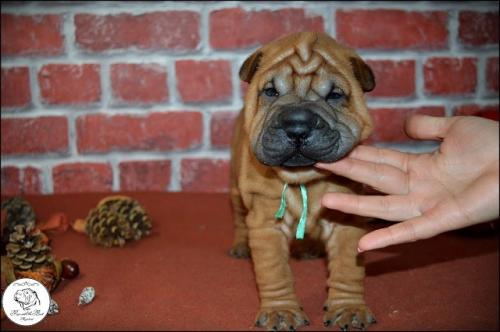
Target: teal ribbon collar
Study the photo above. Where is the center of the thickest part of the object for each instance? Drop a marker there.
(301, 227)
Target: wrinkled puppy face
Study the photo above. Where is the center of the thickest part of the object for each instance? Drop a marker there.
(308, 106)
(307, 122)
(22, 296)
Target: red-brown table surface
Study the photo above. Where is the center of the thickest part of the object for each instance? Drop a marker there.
(181, 278)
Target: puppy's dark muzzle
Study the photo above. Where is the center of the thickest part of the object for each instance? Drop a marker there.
(298, 137)
(298, 124)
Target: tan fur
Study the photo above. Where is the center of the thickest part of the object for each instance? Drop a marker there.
(256, 188)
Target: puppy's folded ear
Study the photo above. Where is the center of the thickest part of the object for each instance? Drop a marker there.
(363, 74)
(250, 66)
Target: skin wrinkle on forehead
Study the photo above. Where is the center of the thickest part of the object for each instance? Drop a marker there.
(302, 85)
(309, 67)
(311, 80)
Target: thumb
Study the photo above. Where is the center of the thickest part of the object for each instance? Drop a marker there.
(428, 127)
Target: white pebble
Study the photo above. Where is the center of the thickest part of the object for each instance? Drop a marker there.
(53, 308)
(86, 296)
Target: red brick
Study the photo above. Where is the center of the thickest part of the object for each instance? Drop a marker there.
(46, 134)
(82, 177)
(17, 181)
(32, 35)
(11, 182)
(202, 81)
(205, 175)
(139, 83)
(489, 112)
(237, 28)
(70, 84)
(145, 175)
(393, 78)
(16, 90)
(492, 74)
(446, 76)
(154, 132)
(32, 182)
(389, 122)
(391, 28)
(478, 28)
(221, 129)
(171, 30)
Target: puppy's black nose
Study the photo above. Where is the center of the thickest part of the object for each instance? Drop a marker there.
(298, 123)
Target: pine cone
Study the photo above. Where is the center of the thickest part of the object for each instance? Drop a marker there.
(18, 212)
(116, 220)
(28, 248)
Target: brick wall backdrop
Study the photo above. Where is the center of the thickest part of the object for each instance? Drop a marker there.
(142, 96)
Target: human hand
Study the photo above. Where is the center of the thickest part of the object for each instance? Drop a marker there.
(453, 187)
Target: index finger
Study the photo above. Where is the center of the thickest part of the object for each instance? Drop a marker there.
(385, 178)
(381, 156)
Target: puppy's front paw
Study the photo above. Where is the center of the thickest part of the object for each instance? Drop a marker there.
(281, 319)
(348, 317)
(240, 250)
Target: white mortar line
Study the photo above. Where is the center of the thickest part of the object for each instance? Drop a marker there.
(138, 7)
(46, 179)
(453, 31)
(159, 57)
(205, 135)
(175, 177)
(115, 174)
(26, 159)
(36, 99)
(419, 79)
(331, 23)
(481, 89)
(69, 35)
(72, 135)
(171, 82)
(204, 31)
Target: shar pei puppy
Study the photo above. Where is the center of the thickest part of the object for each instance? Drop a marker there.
(304, 105)
(26, 298)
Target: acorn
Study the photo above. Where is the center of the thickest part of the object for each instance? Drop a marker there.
(70, 269)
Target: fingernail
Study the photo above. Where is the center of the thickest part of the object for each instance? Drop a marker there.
(359, 250)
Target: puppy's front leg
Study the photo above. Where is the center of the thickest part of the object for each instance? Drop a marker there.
(279, 308)
(345, 305)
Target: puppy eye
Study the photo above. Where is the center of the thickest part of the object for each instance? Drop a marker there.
(334, 95)
(271, 92)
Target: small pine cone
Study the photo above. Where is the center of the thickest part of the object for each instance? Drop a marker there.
(28, 248)
(17, 212)
(116, 220)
